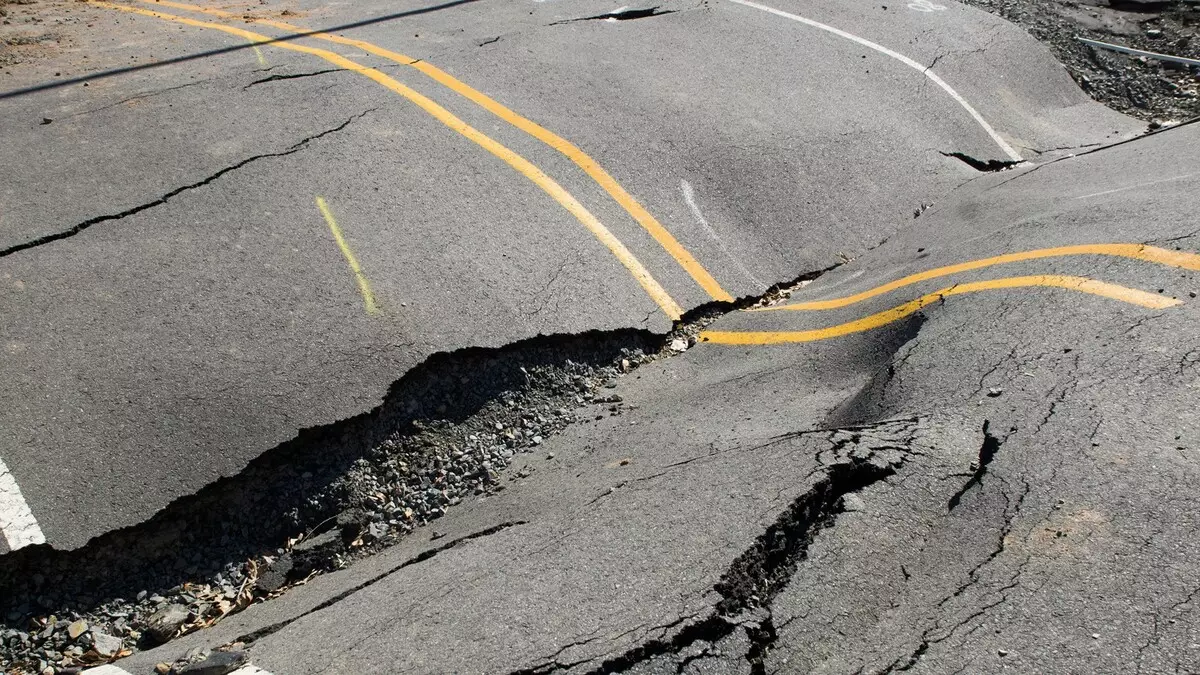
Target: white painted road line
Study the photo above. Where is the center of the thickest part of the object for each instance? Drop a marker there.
(1137, 185)
(689, 196)
(17, 523)
(1008, 149)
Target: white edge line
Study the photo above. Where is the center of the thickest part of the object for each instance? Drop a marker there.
(1008, 149)
(17, 524)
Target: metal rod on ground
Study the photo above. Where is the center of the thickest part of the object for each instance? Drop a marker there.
(1139, 52)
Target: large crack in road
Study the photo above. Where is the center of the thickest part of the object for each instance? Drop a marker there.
(446, 431)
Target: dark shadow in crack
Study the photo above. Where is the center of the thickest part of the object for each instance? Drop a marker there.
(985, 166)
(253, 513)
(621, 15)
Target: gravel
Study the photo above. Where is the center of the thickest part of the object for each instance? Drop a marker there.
(446, 437)
(445, 433)
(1158, 92)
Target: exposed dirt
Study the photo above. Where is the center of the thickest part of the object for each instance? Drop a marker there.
(32, 30)
(1156, 91)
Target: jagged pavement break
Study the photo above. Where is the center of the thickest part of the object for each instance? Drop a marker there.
(445, 432)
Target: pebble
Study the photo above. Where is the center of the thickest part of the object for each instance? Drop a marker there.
(994, 392)
(76, 629)
(678, 345)
(1002, 652)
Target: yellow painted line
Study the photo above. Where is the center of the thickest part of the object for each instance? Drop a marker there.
(364, 287)
(1143, 252)
(522, 165)
(581, 159)
(1081, 284)
(262, 60)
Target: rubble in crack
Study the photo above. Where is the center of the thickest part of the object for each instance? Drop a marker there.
(446, 432)
(403, 483)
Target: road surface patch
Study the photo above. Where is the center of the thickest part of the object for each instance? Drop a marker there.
(523, 166)
(568, 149)
(364, 286)
(1162, 256)
(17, 524)
(1081, 284)
(924, 70)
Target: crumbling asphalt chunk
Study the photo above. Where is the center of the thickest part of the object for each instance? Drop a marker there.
(864, 455)
(216, 663)
(762, 571)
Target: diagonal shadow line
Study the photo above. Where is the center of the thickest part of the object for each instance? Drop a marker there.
(225, 50)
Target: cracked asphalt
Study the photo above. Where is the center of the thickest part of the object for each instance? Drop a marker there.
(963, 443)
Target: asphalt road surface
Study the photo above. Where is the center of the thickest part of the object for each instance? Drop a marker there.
(966, 448)
(205, 315)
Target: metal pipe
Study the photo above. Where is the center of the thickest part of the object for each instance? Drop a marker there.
(1139, 52)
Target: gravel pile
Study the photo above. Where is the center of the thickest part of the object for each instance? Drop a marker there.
(423, 466)
(1152, 90)
(446, 432)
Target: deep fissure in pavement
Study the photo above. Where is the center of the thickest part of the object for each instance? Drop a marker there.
(987, 452)
(756, 577)
(443, 433)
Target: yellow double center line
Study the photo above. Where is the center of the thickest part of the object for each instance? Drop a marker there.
(562, 145)
(1081, 284)
(1143, 252)
(522, 165)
